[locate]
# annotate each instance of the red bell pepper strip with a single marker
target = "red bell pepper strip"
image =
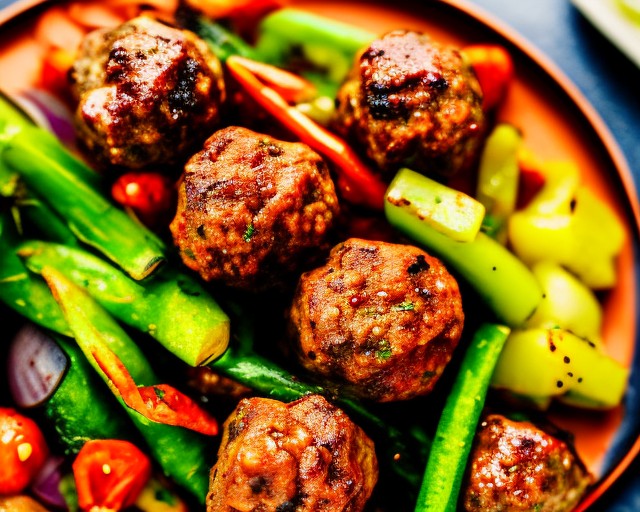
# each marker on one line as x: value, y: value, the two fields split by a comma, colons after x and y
x: 494, y: 69
x: 293, y: 88
x: 109, y: 474
x: 160, y: 403
x: 356, y: 181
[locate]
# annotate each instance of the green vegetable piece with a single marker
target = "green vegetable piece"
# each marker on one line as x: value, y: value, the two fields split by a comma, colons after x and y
x: 222, y: 41
x: 504, y: 282
x: 93, y: 219
x: 22, y: 291
x: 458, y: 422
x: 567, y: 224
x: 81, y: 408
x: 543, y: 363
x: 183, y: 455
x: 498, y: 177
x: 196, y: 331
x: 327, y: 44
x: 567, y: 303
x: 448, y: 211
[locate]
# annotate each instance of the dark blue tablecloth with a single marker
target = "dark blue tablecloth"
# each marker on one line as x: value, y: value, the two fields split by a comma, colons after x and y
x: 611, y: 82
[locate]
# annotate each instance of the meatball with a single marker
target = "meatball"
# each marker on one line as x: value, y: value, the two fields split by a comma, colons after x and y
x: 515, y: 465
x: 380, y: 320
x: 304, y: 456
x: 146, y: 93
x: 252, y: 209
x: 411, y: 101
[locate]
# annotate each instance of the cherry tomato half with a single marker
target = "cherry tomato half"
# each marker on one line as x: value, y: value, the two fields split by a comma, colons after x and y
x: 151, y: 196
x: 110, y: 474
x: 23, y: 451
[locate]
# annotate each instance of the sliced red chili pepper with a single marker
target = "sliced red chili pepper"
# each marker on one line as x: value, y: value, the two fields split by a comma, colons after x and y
x: 110, y: 474
x: 356, y: 180
x: 23, y: 451
x: 494, y: 68
x: 160, y: 403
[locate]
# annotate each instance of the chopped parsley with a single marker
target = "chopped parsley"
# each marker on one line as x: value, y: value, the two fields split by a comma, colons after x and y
x: 404, y: 306
x: 248, y: 233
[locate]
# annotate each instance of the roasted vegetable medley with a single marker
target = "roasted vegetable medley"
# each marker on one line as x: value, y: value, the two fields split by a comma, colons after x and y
x: 287, y: 264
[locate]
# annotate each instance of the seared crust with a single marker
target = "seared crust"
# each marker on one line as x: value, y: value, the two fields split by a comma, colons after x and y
x: 379, y: 319
x: 304, y: 456
x: 147, y: 93
x: 515, y: 465
x: 252, y: 209
x: 411, y: 101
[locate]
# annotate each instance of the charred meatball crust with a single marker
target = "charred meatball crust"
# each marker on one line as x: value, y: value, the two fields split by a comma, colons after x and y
x: 381, y: 320
x: 515, y: 465
x: 411, y: 101
x: 305, y: 456
x: 252, y: 209
x: 147, y: 93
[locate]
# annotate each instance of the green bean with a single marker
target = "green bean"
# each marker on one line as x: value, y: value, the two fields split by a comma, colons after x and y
x: 196, y: 331
x: 92, y: 218
x: 22, y: 291
x: 401, y: 452
x: 505, y: 283
x: 456, y: 428
x: 81, y: 408
x: 184, y: 455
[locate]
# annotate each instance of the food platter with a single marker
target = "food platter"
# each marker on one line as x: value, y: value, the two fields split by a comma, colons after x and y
x: 557, y: 123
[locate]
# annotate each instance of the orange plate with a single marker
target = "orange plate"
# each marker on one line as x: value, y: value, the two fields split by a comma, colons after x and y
x: 557, y: 123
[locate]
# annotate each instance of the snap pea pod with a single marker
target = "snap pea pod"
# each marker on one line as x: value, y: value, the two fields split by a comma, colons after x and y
x: 196, y: 331
x: 22, y: 291
x: 456, y: 428
x: 183, y: 455
x: 90, y: 216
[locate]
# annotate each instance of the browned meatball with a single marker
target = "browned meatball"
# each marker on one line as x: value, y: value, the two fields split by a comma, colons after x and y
x: 380, y: 319
x: 515, y: 465
x: 147, y: 93
x: 411, y: 101
x: 251, y: 209
x: 304, y: 456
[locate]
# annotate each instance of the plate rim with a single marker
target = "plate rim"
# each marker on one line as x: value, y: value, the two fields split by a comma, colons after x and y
x: 629, y: 187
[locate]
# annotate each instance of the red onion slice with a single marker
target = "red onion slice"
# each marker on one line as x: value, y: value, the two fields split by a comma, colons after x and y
x: 46, y: 485
x: 35, y: 366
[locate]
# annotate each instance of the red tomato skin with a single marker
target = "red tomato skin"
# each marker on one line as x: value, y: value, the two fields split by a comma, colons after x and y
x: 151, y: 196
x: 110, y: 474
x: 23, y: 451
x: 494, y: 69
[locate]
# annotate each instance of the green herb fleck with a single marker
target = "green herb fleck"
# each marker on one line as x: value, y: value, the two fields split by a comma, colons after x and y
x: 248, y: 234
x: 159, y: 392
x: 404, y: 306
x: 384, y: 350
